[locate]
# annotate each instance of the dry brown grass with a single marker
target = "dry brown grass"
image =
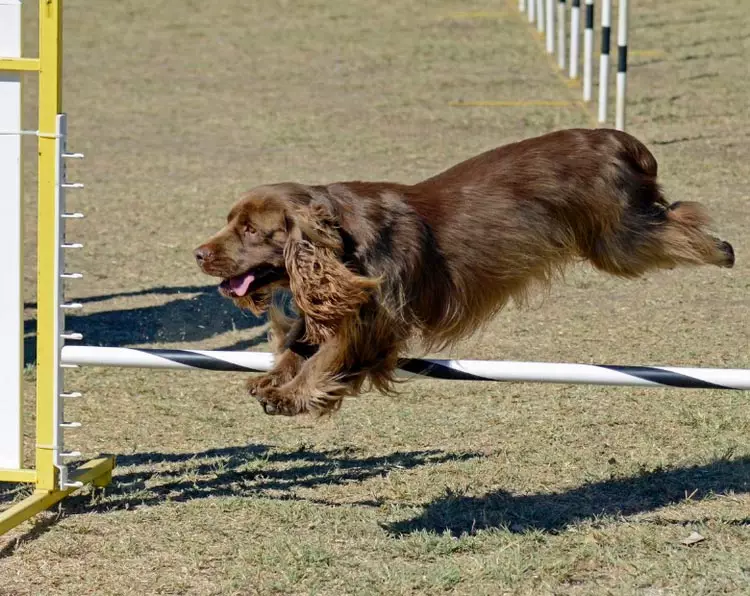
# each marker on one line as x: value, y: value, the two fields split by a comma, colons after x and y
x: 456, y: 488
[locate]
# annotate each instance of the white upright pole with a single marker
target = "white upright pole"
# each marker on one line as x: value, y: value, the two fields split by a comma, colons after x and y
x: 575, y: 37
x: 622, y: 63
x: 588, y: 52
x: 11, y: 232
x: 532, y: 11
x: 561, y: 33
x: 550, y: 30
x: 522, y: 5
x: 604, y: 59
x: 540, y: 16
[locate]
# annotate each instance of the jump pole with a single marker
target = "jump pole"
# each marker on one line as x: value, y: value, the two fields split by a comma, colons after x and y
x: 452, y: 370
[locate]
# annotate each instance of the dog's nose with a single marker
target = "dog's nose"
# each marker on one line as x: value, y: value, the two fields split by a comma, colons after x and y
x: 203, y: 254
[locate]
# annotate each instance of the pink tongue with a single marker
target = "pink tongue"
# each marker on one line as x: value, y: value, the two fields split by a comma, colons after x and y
x: 241, y: 284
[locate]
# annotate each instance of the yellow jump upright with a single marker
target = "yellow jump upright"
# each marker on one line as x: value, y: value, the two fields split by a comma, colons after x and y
x: 50, y: 475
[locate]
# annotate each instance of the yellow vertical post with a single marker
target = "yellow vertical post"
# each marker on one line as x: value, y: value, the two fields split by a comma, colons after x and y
x: 50, y: 104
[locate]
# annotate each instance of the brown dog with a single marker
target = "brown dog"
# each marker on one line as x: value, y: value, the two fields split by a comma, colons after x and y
x: 370, y: 264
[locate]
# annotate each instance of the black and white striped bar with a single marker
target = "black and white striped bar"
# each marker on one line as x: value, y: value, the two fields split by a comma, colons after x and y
x: 452, y: 370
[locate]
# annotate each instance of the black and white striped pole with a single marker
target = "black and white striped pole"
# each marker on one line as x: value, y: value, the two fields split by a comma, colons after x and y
x: 622, y: 63
x: 452, y: 370
x: 575, y: 34
x: 588, y: 52
x: 604, y: 59
x: 561, y: 33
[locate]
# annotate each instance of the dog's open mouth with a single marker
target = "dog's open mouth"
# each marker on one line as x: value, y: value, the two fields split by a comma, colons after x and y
x: 250, y: 281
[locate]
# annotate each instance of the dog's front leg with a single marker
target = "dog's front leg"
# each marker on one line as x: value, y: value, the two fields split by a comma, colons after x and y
x: 287, y: 342
x: 318, y: 387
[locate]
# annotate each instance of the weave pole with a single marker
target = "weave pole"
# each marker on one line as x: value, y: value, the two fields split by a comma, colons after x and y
x: 540, y: 16
x: 452, y: 370
x: 550, y: 27
x: 622, y: 63
x: 604, y: 59
x: 588, y: 52
x: 561, y: 33
x: 575, y: 34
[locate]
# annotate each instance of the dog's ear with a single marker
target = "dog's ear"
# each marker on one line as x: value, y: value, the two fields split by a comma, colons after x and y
x: 324, y: 288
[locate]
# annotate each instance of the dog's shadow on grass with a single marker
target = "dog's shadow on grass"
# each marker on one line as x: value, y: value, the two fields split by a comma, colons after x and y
x: 553, y: 512
x: 154, y: 478
x: 147, y: 479
x: 193, y: 314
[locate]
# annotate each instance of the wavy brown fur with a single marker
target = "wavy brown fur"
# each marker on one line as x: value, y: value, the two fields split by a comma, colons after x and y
x: 371, y: 264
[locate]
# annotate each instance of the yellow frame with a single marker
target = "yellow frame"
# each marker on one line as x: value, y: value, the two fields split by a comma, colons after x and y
x: 45, y: 476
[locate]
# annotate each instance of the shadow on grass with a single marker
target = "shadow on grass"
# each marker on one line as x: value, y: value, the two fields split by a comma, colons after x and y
x: 251, y: 471
x: 198, y: 313
x: 149, y: 479
x: 553, y: 512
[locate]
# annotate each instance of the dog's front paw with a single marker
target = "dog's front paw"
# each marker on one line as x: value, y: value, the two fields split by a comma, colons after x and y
x: 257, y: 385
x: 277, y: 402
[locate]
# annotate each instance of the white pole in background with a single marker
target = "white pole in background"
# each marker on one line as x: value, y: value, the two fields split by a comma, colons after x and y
x: 11, y: 232
x: 588, y: 52
x: 604, y: 59
x: 522, y: 5
x: 532, y: 10
x: 550, y: 26
x: 540, y: 16
x: 622, y: 63
x: 561, y: 33
x: 575, y: 34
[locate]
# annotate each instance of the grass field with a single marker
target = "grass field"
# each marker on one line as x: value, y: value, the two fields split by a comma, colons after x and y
x: 450, y: 488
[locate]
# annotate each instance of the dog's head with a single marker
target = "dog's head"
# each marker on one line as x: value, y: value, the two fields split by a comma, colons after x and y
x: 286, y: 235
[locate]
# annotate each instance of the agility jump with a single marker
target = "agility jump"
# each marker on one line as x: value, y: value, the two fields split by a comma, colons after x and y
x: 53, y: 474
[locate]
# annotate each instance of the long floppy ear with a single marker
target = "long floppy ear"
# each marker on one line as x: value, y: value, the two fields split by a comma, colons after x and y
x: 324, y: 288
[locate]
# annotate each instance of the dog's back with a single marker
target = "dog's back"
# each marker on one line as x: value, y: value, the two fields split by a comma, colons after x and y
x: 519, y: 213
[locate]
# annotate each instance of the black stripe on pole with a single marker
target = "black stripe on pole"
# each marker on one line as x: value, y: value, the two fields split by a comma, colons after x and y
x: 198, y: 360
x: 576, y: 3
x: 606, y: 36
x: 589, y: 16
x: 622, y: 58
x: 664, y: 377
x: 436, y: 371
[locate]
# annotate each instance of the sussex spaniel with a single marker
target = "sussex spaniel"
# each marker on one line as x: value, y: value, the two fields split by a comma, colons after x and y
x: 371, y: 264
